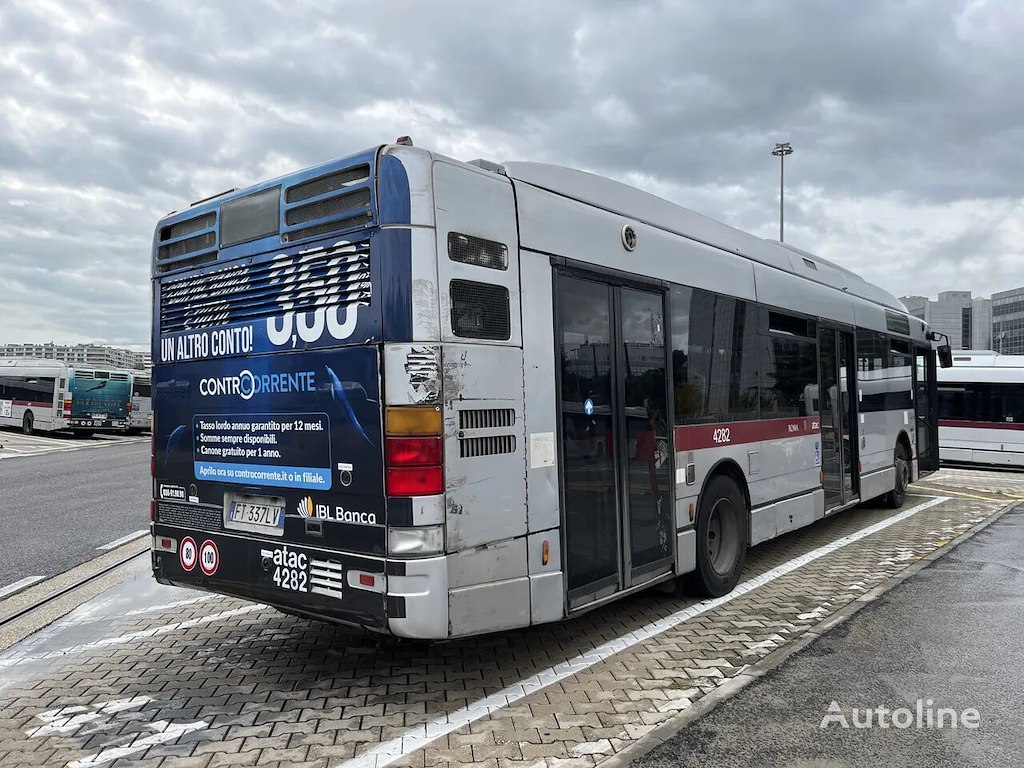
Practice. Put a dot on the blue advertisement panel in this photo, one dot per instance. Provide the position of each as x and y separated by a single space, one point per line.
265 444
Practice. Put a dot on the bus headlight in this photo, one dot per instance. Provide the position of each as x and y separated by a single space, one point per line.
425 540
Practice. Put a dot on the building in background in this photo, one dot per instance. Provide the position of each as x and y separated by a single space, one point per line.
967 321
1008 322
83 354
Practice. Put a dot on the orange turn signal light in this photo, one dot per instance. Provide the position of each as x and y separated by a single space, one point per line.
413 420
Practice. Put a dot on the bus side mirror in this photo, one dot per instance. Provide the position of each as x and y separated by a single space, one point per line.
945 355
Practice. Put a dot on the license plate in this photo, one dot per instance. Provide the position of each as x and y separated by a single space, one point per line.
255 513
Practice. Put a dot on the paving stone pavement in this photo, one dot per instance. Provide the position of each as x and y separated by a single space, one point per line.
216 681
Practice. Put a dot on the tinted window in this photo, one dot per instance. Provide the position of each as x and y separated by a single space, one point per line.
33 389
789 376
714 357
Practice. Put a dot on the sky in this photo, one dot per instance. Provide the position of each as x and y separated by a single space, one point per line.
906 119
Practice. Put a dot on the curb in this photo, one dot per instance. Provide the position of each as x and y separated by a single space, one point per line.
776 658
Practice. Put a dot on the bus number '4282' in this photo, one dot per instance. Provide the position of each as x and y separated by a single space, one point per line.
721 435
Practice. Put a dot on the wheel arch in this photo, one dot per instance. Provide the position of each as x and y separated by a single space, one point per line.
903 438
729 468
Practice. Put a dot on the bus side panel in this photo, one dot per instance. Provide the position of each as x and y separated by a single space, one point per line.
485 481
547 589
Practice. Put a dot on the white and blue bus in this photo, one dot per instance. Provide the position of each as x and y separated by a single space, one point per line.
436 398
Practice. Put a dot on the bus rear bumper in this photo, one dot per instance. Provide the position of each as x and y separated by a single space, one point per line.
333 586
418 598
407 598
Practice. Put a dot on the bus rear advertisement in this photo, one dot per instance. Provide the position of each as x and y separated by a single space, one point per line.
100 400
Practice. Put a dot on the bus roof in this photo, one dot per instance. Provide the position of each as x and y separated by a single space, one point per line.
655 211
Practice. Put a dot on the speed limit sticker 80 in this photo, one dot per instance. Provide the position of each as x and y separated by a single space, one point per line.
188 553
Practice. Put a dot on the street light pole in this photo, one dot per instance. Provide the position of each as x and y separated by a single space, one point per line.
781 150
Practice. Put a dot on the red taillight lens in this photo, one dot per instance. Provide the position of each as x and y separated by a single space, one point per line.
152 510
413 451
367 579
414 481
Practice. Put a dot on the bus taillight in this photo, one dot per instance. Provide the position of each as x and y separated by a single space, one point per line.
414 451
67 407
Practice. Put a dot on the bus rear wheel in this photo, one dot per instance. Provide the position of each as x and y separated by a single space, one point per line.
27 423
721 538
894 499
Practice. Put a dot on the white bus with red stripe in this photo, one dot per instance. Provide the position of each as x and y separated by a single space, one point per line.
981 409
32 394
523 391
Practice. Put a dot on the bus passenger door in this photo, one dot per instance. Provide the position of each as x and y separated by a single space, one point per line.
837 386
616 468
926 410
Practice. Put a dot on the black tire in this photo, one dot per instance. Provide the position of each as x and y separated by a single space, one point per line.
894 499
28 422
722 527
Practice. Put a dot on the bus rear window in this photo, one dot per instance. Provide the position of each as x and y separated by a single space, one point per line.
250 217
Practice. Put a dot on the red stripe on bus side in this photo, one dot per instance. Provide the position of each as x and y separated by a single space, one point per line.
981 424
30 403
695 436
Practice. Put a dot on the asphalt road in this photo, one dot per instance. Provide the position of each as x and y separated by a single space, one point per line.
57 508
952 633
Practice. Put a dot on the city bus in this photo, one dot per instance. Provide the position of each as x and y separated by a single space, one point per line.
142 401
32 394
49 395
436 398
981 409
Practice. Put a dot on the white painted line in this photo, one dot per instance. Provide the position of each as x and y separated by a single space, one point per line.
18 586
125 539
416 738
168 606
13 661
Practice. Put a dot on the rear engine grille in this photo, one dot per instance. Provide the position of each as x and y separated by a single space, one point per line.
487 418
470 447
326 577
338 276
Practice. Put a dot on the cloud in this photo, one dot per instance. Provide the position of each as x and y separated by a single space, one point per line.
905 118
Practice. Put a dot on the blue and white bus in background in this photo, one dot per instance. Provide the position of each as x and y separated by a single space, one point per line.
436 398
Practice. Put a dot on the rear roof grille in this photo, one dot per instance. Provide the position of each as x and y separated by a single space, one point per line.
188 245
331 206
187 227
329 183
334 202
340 274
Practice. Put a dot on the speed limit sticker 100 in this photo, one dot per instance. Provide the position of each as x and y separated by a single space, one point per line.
209 558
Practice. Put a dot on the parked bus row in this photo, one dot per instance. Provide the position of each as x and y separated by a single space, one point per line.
49 395
435 398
